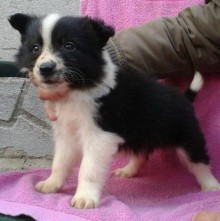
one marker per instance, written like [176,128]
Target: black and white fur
[109,108]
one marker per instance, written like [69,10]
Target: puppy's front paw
[83,203]
[46,187]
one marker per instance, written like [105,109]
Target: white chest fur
[76,119]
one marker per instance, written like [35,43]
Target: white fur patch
[24,70]
[108,81]
[197,82]
[48,24]
[201,171]
[204,177]
[47,54]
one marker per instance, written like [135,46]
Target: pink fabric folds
[125,13]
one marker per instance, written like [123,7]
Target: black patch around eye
[36,48]
[31,46]
[69,46]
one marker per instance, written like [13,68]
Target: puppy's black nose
[47,68]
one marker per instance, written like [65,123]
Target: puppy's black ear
[19,22]
[103,31]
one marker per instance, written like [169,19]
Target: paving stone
[29,137]
[10,91]
[11,152]
[37,163]
[5,138]
[11,164]
[33,105]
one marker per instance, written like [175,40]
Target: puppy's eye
[69,46]
[35,48]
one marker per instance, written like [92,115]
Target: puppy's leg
[97,155]
[64,157]
[200,170]
[132,168]
[194,155]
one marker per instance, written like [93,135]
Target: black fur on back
[190,94]
[148,115]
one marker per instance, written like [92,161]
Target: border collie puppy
[108,109]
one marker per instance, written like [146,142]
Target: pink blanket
[164,190]
[124,13]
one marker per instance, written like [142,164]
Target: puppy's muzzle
[47,69]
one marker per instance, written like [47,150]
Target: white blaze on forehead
[46,55]
[48,24]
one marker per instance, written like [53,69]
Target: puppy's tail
[195,86]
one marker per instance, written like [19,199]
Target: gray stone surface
[36,163]
[5,137]
[23,164]
[33,105]
[10,152]
[9,96]
[25,135]
[31,138]
[11,164]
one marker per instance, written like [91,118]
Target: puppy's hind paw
[125,172]
[210,186]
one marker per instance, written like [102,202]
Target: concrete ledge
[23,164]
[9,94]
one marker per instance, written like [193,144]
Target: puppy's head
[57,49]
